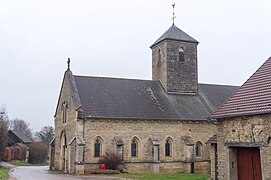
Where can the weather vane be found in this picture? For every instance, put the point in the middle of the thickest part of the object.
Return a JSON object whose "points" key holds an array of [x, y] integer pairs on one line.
{"points": [[69, 61], [173, 6]]}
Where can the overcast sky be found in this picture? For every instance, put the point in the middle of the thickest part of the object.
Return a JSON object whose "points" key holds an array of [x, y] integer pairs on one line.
{"points": [[112, 38]]}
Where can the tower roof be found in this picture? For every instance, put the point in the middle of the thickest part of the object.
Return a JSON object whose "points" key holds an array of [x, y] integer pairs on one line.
{"points": [[174, 33]]}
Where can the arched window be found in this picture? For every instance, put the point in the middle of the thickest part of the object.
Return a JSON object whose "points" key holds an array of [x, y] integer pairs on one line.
{"points": [[168, 147], [134, 148], [159, 57], [64, 112], [181, 54], [97, 147], [198, 149]]}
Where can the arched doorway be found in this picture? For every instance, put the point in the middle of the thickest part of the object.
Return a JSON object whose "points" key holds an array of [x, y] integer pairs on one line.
{"points": [[63, 151]]}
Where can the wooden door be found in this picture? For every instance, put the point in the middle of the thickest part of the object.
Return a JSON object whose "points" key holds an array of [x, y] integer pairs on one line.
{"points": [[249, 164]]}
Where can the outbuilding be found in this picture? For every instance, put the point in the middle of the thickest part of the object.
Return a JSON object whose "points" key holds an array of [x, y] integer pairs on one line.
{"points": [[244, 130]]}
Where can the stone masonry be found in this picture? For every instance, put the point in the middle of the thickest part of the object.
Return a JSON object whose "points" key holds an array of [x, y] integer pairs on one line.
{"points": [[145, 130], [245, 131], [64, 132], [176, 76], [67, 153], [175, 113]]}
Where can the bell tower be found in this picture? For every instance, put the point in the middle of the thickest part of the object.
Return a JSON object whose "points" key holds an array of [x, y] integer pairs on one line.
{"points": [[174, 61]]}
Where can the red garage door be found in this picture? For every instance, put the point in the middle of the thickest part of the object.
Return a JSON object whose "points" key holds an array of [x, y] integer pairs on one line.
{"points": [[249, 164]]}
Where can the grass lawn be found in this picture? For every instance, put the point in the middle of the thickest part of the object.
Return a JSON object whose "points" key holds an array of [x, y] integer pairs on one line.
{"points": [[3, 173], [23, 163], [164, 176]]}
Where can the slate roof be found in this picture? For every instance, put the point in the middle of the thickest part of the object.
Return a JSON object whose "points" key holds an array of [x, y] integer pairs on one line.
{"points": [[174, 33], [21, 136], [253, 97], [102, 97]]}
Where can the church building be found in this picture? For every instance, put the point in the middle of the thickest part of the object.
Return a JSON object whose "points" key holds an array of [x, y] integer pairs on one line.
{"points": [[157, 125]]}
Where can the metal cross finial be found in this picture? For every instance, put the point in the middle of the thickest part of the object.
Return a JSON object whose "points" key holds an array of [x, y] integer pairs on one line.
{"points": [[173, 6], [69, 61]]}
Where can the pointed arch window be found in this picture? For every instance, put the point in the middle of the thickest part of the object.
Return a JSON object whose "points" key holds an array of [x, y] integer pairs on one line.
{"points": [[168, 147], [97, 147], [159, 57], [198, 149], [64, 112], [134, 148], [181, 54]]}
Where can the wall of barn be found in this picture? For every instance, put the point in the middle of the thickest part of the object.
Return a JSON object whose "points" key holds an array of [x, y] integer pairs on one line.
{"points": [[245, 131]]}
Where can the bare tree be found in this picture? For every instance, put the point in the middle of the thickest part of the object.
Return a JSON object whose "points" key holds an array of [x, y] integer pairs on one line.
{"points": [[23, 126], [4, 125], [46, 134]]}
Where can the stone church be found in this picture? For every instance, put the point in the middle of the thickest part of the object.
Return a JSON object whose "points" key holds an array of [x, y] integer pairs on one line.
{"points": [[157, 125]]}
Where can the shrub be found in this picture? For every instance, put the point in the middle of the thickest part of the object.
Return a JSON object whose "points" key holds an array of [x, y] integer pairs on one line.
{"points": [[38, 153], [3, 139], [8, 154], [16, 152], [111, 160]]}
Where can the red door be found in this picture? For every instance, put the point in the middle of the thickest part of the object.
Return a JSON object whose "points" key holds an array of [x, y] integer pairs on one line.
{"points": [[249, 164]]}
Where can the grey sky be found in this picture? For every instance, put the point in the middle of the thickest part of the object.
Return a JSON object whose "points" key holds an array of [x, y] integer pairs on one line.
{"points": [[112, 38]]}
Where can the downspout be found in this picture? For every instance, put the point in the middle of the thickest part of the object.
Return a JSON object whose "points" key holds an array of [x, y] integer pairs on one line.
{"points": [[84, 138]]}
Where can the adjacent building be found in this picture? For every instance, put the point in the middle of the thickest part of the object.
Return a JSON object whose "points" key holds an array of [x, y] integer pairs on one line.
{"points": [[15, 137], [244, 130]]}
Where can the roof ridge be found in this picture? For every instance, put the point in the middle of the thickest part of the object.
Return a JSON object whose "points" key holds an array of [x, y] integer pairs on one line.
{"points": [[218, 84], [117, 78]]}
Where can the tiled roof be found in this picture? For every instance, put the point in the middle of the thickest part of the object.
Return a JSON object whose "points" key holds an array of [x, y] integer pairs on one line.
{"points": [[21, 136], [174, 33], [145, 99], [253, 97]]}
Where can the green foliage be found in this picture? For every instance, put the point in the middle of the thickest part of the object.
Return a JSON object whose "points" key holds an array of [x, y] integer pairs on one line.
{"points": [[20, 163], [4, 124], [38, 153], [3, 173], [164, 176], [23, 163], [46, 134]]}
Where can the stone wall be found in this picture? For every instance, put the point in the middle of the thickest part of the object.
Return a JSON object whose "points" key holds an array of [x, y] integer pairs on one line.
{"points": [[144, 130], [246, 131], [202, 167], [176, 76], [67, 128], [213, 158], [159, 66]]}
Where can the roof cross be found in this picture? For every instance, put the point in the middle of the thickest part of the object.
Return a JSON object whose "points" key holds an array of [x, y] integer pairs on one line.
{"points": [[68, 62], [173, 6]]}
